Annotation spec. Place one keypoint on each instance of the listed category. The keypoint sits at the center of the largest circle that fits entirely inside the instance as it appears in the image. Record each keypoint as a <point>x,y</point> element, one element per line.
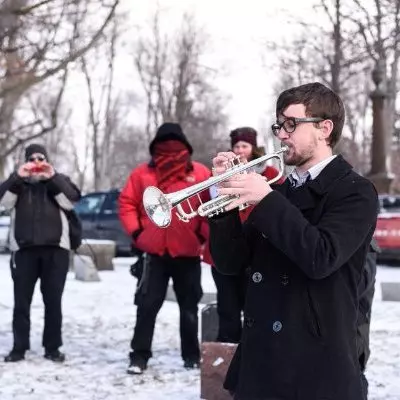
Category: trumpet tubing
<point>159,205</point>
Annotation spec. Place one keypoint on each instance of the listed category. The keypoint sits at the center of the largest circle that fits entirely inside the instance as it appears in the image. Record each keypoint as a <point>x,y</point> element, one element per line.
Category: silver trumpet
<point>159,205</point>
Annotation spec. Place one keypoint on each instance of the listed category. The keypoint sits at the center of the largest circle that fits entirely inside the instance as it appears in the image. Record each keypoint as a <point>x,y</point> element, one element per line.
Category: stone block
<point>215,360</point>
<point>101,251</point>
<point>390,291</point>
<point>209,323</point>
<point>85,270</point>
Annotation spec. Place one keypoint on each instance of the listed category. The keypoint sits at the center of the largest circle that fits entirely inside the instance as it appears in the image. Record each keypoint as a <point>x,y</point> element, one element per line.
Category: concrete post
<point>380,173</point>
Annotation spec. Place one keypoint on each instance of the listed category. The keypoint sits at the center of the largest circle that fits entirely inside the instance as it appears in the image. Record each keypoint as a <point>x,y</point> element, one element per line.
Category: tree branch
<point>44,130</point>
<point>33,79</point>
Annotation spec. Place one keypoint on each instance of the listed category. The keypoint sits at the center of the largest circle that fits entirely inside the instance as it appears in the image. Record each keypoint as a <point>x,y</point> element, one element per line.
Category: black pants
<point>231,292</point>
<point>150,295</point>
<point>50,264</point>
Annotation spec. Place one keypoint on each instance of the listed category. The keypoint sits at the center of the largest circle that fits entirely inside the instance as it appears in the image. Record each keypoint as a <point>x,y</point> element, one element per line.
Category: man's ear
<point>326,128</point>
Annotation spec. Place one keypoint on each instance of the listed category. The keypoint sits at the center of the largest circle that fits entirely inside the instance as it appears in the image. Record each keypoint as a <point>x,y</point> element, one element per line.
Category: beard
<point>294,159</point>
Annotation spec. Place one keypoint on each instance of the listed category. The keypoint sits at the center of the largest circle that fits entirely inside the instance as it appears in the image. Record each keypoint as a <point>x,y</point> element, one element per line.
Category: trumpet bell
<point>157,206</point>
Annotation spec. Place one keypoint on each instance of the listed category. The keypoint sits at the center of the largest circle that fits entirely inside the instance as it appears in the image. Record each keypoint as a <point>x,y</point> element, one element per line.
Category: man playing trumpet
<point>307,241</point>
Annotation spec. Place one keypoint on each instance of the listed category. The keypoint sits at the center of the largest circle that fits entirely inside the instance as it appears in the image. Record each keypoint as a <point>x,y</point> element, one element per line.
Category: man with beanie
<point>173,252</point>
<point>41,201</point>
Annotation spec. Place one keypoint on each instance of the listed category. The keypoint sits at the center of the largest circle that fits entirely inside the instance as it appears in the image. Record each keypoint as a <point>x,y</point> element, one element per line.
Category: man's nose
<point>282,134</point>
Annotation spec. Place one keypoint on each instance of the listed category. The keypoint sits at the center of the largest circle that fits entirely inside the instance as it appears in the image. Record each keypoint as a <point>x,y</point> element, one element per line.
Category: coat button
<point>257,277</point>
<point>285,279</point>
<point>277,326</point>
<point>249,322</point>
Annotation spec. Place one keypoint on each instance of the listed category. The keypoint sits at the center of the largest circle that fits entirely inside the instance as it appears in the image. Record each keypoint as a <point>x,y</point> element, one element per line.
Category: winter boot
<point>137,366</point>
<point>191,363</point>
<point>15,356</point>
<point>55,356</point>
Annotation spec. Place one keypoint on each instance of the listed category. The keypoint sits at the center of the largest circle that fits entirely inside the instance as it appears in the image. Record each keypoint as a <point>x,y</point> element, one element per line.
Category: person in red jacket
<point>231,289</point>
<point>172,252</point>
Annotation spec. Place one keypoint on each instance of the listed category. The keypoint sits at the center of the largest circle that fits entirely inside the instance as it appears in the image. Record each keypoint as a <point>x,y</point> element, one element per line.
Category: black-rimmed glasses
<point>290,123</point>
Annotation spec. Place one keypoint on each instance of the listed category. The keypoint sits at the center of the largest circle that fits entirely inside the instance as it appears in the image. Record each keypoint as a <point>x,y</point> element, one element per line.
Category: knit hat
<point>245,134</point>
<point>170,131</point>
<point>35,148</point>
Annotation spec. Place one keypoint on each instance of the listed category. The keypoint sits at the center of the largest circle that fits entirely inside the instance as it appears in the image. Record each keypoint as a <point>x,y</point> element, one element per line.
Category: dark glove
<point>136,233</point>
<point>136,268</point>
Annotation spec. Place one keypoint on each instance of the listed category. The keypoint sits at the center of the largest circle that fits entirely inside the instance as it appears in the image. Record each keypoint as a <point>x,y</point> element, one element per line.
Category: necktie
<point>299,182</point>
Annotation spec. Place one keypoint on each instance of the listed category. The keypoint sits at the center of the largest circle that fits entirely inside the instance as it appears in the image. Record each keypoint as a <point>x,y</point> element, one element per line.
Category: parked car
<point>387,232</point>
<point>5,221</point>
<point>98,212</point>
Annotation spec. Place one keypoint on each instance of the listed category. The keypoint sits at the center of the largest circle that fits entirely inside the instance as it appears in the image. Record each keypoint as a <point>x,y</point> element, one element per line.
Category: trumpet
<point>159,205</point>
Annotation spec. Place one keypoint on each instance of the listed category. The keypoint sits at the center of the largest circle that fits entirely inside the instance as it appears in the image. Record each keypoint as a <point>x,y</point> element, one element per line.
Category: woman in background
<point>231,289</point>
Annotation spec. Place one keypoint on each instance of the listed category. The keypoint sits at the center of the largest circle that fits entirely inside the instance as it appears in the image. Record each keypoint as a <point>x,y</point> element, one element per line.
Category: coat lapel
<point>308,195</point>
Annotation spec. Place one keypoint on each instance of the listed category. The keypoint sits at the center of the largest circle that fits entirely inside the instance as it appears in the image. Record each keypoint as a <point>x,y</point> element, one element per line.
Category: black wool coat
<point>306,248</point>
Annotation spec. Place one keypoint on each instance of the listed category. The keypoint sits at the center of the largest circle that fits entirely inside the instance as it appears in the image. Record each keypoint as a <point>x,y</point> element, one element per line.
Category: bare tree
<point>131,149</point>
<point>380,32</point>
<point>177,86</point>
<point>100,113</point>
<point>67,31</point>
<point>341,53</point>
<point>108,111</point>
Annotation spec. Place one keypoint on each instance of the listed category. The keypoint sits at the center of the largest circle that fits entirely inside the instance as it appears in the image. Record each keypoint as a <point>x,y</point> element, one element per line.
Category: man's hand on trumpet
<point>221,162</point>
<point>251,187</point>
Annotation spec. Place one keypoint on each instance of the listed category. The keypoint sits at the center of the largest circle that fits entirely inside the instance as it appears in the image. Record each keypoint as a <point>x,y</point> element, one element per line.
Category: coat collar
<point>304,196</point>
<point>334,171</point>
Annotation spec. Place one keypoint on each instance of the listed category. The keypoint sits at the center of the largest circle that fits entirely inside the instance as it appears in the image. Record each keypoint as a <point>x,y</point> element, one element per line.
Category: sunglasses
<point>37,158</point>
<point>289,124</point>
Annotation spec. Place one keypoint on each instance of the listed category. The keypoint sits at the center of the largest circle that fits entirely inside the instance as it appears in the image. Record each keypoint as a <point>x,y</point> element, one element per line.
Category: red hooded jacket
<point>179,238</point>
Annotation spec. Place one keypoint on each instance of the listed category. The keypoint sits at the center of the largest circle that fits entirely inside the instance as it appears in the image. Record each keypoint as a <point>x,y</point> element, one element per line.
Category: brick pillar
<point>215,357</point>
<point>215,360</point>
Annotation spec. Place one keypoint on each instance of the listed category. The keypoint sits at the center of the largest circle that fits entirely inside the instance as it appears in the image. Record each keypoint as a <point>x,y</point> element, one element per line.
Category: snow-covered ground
<point>98,322</point>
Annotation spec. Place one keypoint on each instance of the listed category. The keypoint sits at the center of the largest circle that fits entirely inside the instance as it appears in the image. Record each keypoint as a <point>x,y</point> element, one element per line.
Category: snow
<point>98,322</point>
<point>4,228</point>
<point>217,362</point>
<point>98,241</point>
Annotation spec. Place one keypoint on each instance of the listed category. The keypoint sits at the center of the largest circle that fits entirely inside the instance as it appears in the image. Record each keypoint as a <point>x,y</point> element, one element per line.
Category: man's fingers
<point>235,203</point>
<point>222,159</point>
<point>220,162</point>
<point>227,154</point>
<point>218,170</point>
<point>231,191</point>
<point>237,180</point>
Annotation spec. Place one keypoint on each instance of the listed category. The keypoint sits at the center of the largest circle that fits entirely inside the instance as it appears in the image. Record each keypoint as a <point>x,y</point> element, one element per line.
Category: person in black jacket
<point>306,242</point>
<point>41,200</point>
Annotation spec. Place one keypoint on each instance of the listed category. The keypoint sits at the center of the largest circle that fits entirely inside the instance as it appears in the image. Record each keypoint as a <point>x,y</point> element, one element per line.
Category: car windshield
<point>389,204</point>
<point>90,204</point>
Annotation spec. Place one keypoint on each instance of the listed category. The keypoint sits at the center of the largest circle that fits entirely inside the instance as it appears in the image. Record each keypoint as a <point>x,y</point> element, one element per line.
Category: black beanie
<point>170,131</point>
<point>35,148</point>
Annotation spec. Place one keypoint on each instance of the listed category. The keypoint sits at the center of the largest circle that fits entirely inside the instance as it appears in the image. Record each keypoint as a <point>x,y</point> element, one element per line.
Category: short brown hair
<point>320,101</point>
